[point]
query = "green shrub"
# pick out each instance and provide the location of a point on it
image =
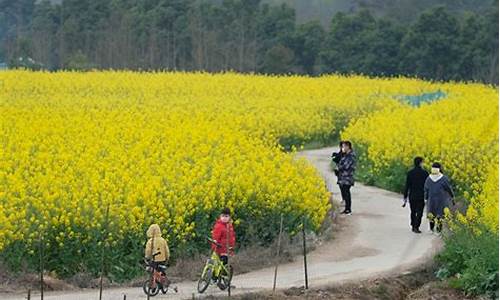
(470, 260)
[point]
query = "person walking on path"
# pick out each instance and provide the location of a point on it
(414, 190)
(438, 194)
(346, 168)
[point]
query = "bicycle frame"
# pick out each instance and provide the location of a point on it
(215, 264)
(215, 271)
(156, 278)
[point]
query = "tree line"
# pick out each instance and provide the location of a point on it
(246, 36)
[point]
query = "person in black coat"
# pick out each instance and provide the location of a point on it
(414, 190)
(346, 168)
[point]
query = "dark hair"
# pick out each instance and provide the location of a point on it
(226, 211)
(436, 165)
(348, 143)
(417, 161)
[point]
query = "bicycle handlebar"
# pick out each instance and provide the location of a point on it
(214, 242)
(149, 259)
(217, 243)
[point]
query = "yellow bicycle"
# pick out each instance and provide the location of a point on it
(215, 272)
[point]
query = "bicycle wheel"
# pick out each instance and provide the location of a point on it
(204, 280)
(148, 288)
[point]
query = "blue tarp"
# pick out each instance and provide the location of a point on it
(416, 100)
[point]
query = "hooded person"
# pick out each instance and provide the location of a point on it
(157, 248)
(223, 234)
(438, 194)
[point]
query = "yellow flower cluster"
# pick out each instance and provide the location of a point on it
(460, 132)
(484, 207)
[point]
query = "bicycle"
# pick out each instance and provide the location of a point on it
(157, 280)
(215, 272)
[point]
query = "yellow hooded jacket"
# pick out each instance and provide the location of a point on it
(159, 244)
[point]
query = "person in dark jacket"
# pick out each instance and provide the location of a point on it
(414, 190)
(346, 168)
(438, 194)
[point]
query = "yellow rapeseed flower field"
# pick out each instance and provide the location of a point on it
(173, 148)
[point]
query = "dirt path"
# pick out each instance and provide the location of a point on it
(376, 240)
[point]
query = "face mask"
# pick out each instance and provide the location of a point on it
(435, 170)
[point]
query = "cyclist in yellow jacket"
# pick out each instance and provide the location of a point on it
(157, 248)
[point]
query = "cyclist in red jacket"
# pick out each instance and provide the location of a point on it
(223, 234)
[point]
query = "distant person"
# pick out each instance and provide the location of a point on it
(346, 168)
(438, 194)
(414, 190)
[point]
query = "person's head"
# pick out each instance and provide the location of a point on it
(225, 215)
(436, 168)
(154, 231)
(346, 146)
(417, 161)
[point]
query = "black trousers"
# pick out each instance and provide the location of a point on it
(416, 213)
(345, 190)
(160, 266)
(224, 259)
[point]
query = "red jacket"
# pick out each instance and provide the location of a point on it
(223, 233)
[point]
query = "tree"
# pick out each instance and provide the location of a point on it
(347, 45)
(44, 34)
(278, 60)
(384, 49)
(15, 20)
(479, 42)
(275, 29)
(255, 36)
(307, 42)
(431, 47)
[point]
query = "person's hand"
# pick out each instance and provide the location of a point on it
(405, 200)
